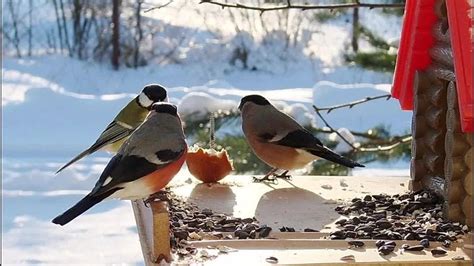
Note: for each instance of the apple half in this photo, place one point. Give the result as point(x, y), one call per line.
point(208, 165)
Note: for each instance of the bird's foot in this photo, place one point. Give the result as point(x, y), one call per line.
point(147, 201)
point(284, 176)
point(266, 178)
point(162, 195)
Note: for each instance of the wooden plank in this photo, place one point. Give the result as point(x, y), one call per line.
point(323, 252)
point(283, 202)
point(161, 232)
point(143, 218)
point(153, 231)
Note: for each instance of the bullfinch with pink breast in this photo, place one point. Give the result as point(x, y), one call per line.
point(146, 162)
point(279, 141)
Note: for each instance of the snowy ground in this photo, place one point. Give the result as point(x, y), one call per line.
point(55, 106)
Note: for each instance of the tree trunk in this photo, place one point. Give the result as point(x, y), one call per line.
point(116, 34)
point(76, 18)
point(58, 22)
point(139, 37)
point(16, 37)
point(66, 34)
point(355, 30)
point(30, 25)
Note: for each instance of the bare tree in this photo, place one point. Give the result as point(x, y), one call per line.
point(139, 33)
point(58, 23)
point(77, 29)
point(16, 38)
point(116, 34)
point(64, 27)
point(30, 26)
point(355, 30)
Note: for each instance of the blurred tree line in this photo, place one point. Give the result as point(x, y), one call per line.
point(117, 31)
point(102, 30)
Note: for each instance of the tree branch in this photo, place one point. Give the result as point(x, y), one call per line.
point(158, 7)
point(355, 133)
point(332, 129)
point(289, 5)
point(398, 141)
point(352, 104)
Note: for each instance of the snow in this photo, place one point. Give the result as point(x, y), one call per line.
point(92, 238)
point(365, 116)
point(342, 146)
point(55, 106)
point(300, 113)
point(200, 104)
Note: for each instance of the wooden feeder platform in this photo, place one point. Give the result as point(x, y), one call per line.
point(303, 202)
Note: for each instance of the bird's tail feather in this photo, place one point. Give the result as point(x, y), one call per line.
point(82, 206)
point(75, 159)
point(335, 158)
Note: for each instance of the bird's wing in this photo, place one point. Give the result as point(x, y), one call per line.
point(114, 132)
point(304, 140)
point(127, 168)
point(298, 138)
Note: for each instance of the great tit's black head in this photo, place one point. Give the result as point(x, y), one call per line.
point(150, 94)
point(254, 98)
point(165, 108)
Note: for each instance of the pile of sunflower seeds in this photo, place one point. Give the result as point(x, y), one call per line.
point(189, 222)
point(410, 216)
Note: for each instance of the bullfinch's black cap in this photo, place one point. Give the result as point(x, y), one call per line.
point(254, 98)
point(166, 108)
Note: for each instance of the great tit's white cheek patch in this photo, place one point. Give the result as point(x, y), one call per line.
point(144, 100)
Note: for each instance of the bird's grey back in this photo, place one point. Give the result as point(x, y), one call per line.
point(263, 119)
point(160, 131)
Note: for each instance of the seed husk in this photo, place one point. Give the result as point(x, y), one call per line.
point(264, 232)
point(356, 243)
point(425, 243)
point(446, 243)
point(385, 250)
point(272, 260)
point(379, 243)
point(414, 248)
point(438, 252)
point(348, 258)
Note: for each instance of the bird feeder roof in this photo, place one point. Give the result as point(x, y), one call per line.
point(416, 42)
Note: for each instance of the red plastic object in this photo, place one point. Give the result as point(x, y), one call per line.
point(460, 24)
point(413, 53)
point(417, 40)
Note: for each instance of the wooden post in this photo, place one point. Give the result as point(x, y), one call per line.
point(153, 231)
point(161, 232)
